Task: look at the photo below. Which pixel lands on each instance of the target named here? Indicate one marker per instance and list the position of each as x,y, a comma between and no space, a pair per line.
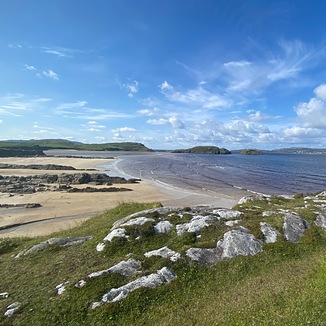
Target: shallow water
268,173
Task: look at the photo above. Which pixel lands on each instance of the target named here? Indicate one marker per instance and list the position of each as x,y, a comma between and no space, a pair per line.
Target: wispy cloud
93,126
195,97
30,67
60,52
125,129
50,74
16,104
132,86
15,46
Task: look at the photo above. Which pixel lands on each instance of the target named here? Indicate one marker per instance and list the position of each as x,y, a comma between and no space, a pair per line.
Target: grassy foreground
283,285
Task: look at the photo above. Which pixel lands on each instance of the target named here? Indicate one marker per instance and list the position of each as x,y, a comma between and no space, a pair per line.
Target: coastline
63,210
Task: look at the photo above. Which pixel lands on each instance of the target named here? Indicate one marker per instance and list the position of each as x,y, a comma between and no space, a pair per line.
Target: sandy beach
63,210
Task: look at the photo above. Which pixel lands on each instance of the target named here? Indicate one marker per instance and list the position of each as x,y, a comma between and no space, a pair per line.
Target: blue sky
169,74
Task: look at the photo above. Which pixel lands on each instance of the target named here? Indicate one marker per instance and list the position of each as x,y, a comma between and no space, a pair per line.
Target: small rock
4,295
164,252
61,287
117,233
163,227
100,246
232,223
270,234
11,309
196,224
227,213
250,198
321,221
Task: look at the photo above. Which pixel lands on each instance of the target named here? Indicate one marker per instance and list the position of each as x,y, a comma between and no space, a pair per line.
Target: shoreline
62,210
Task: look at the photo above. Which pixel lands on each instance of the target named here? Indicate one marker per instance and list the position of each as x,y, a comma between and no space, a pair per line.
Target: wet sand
62,210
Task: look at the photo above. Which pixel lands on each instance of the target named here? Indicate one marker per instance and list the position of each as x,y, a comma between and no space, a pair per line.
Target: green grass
283,285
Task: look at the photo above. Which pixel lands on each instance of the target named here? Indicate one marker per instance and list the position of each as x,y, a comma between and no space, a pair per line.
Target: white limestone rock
61,287
232,223
125,268
321,221
117,233
270,234
138,221
164,252
250,198
100,246
11,309
196,224
4,295
238,242
162,276
294,227
163,227
227,213
61,242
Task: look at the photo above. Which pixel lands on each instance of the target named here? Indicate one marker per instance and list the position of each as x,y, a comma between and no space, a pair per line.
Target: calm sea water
268,173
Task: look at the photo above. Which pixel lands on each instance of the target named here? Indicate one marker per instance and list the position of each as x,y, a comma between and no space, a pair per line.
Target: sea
271,174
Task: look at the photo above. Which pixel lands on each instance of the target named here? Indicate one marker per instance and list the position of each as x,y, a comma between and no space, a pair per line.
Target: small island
203,150
251,152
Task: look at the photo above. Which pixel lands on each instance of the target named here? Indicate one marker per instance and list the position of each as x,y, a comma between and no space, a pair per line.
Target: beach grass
283,285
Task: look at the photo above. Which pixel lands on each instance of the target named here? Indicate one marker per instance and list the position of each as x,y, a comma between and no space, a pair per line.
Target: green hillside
282,285
45,144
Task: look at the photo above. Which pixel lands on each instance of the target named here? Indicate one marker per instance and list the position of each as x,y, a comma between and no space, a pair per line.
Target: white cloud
132,87
195,97
149,112
237,64
176,123
28,67
71,105
60,51
173,121
165,86
313,113
160,121
15,46
258,116
124,129
50,74
320,92
1,121
93,126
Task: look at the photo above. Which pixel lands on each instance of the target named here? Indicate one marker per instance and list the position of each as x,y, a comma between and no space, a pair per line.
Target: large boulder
294,227
238,242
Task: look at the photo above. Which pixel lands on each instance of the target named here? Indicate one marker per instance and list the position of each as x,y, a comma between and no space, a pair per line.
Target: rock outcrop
294,227
60,242
154,280
46,182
